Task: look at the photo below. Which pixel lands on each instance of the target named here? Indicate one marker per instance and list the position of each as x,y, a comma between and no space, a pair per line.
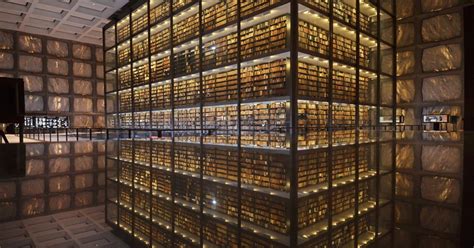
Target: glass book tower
251,123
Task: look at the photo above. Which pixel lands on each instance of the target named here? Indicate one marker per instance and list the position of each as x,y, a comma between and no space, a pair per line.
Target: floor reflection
58,177
166,193
428,189
385,193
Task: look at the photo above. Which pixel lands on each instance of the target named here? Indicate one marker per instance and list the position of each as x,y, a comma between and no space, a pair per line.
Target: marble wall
430,55
430,69
62,78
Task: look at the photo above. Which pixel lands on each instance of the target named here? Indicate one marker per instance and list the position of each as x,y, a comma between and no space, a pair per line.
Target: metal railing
81,134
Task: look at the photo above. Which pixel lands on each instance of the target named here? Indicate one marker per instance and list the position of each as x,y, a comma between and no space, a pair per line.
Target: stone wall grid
430,79
56,73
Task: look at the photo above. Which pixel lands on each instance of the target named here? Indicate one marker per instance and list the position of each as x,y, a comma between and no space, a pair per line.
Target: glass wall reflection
171,193
429,188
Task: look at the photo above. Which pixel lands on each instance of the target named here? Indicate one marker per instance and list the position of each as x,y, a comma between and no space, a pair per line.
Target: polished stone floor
77,228
59,201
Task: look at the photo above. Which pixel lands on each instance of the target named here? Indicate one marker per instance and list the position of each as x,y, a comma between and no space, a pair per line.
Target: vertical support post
150,196
171,41
22,126
394,115
357,126
293,203
330,118
201,132
239,126
378,124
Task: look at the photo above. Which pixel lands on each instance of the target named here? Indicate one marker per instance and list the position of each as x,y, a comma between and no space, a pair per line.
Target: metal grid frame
293,127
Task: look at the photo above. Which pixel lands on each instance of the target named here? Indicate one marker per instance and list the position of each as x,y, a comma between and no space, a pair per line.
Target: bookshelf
251,122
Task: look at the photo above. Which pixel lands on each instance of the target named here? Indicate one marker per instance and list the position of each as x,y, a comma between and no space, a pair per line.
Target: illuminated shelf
207,90
338,219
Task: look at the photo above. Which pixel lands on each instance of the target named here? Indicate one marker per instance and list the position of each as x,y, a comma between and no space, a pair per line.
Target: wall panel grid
62,78
259,120
430,80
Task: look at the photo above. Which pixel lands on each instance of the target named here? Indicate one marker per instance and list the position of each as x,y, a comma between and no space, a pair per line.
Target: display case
252,123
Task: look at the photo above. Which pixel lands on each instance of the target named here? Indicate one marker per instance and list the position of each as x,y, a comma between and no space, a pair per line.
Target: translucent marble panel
83,163
100,105
100,146
58,104
59,148
7,190
80,51
442,58
442,88
449,110
410,118
32,187
57,48
34,167
405,62
32,206
59,202
83,104
82,87
434,5
34,150
100,71
34,103
30,63
6,40
84,181
405,34
33,83
440,158
58,85
405,8
6,61
30,44
99,54
8,210
405,91
404,185
59,165
83,199
441,27
57,66
100,88
82,121
83,147
440,189
99,122
59,184
82,69
439,219
405,157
